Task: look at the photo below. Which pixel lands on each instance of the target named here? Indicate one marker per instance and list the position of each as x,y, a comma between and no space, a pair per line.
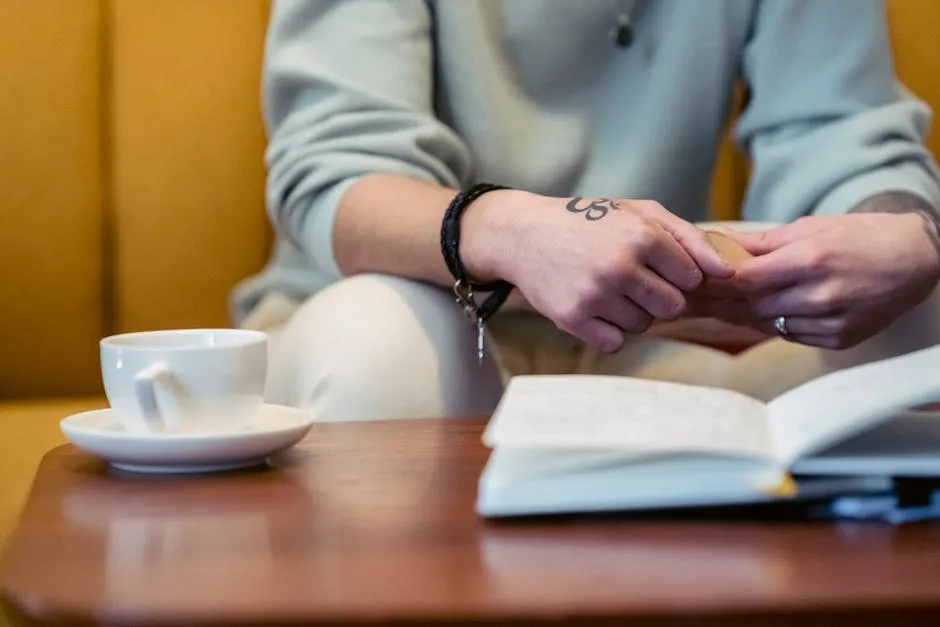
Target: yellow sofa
130,133
130,130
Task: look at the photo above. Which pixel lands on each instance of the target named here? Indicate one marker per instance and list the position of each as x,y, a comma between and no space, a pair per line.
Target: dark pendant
624,35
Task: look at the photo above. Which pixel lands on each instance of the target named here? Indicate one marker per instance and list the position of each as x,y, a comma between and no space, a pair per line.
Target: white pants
374,346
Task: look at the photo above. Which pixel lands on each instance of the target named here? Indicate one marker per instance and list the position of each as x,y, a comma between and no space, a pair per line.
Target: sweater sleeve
348,91
828,124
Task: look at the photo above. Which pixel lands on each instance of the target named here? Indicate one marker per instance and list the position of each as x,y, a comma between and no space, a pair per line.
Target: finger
595,332
654,295
781,268
625,315
672,262
767,240
811,326
695,241
831,332
812,300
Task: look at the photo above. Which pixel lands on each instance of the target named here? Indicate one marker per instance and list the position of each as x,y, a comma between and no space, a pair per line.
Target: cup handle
145,383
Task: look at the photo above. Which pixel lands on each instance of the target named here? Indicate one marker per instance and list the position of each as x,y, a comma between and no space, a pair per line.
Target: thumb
695,242
765,241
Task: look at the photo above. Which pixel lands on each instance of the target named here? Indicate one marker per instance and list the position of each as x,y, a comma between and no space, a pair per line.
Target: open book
579,443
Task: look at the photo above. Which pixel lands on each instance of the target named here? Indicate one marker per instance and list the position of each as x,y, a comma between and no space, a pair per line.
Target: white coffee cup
185,381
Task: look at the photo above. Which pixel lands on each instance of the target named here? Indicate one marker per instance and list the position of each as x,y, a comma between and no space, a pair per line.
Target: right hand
599,269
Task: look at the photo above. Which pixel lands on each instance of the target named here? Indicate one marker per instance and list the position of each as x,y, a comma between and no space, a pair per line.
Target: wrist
488,234
907,206
902,204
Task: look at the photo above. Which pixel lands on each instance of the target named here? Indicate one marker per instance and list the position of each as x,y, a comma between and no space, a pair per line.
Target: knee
372,347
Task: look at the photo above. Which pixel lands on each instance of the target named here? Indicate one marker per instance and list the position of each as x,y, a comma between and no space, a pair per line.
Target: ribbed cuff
910,178
317,235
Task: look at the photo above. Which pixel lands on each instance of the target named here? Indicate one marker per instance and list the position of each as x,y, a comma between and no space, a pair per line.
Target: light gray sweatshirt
535,95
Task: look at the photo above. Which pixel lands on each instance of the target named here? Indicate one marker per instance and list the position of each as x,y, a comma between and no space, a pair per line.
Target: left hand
838,280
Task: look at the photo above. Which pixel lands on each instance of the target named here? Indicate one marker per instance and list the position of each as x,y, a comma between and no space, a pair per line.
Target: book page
820,413
620,413
907,444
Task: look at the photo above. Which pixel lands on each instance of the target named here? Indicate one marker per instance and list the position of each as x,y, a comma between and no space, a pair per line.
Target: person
601,120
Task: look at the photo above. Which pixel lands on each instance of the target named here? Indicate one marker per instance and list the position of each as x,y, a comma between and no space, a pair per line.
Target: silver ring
780,323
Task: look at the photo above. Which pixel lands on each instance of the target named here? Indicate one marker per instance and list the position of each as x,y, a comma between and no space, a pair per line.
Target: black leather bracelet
464,287
450,248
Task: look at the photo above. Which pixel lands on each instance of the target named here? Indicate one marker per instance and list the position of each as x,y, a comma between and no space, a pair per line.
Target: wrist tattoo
593,209
901,203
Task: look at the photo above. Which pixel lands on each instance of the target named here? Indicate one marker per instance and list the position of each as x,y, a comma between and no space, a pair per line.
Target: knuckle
644,291
650,206
817,256
641,323
591,288
764,239
743,281
824,300
846,333
838,326
592,291
611,343
693,280
569,316
667,306
696,236
675,306
614,269
642,238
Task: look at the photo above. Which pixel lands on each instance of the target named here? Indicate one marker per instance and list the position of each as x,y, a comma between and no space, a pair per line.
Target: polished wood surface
373,522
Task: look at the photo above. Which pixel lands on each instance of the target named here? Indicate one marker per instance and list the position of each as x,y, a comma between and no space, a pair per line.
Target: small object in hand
731,252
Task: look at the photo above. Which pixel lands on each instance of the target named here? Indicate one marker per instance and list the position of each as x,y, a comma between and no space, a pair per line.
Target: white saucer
101,434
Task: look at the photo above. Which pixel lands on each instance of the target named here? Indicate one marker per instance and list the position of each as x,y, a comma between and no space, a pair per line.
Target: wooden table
370,523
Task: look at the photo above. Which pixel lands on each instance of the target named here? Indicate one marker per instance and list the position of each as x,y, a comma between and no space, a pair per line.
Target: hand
720,301
839,280
598,268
